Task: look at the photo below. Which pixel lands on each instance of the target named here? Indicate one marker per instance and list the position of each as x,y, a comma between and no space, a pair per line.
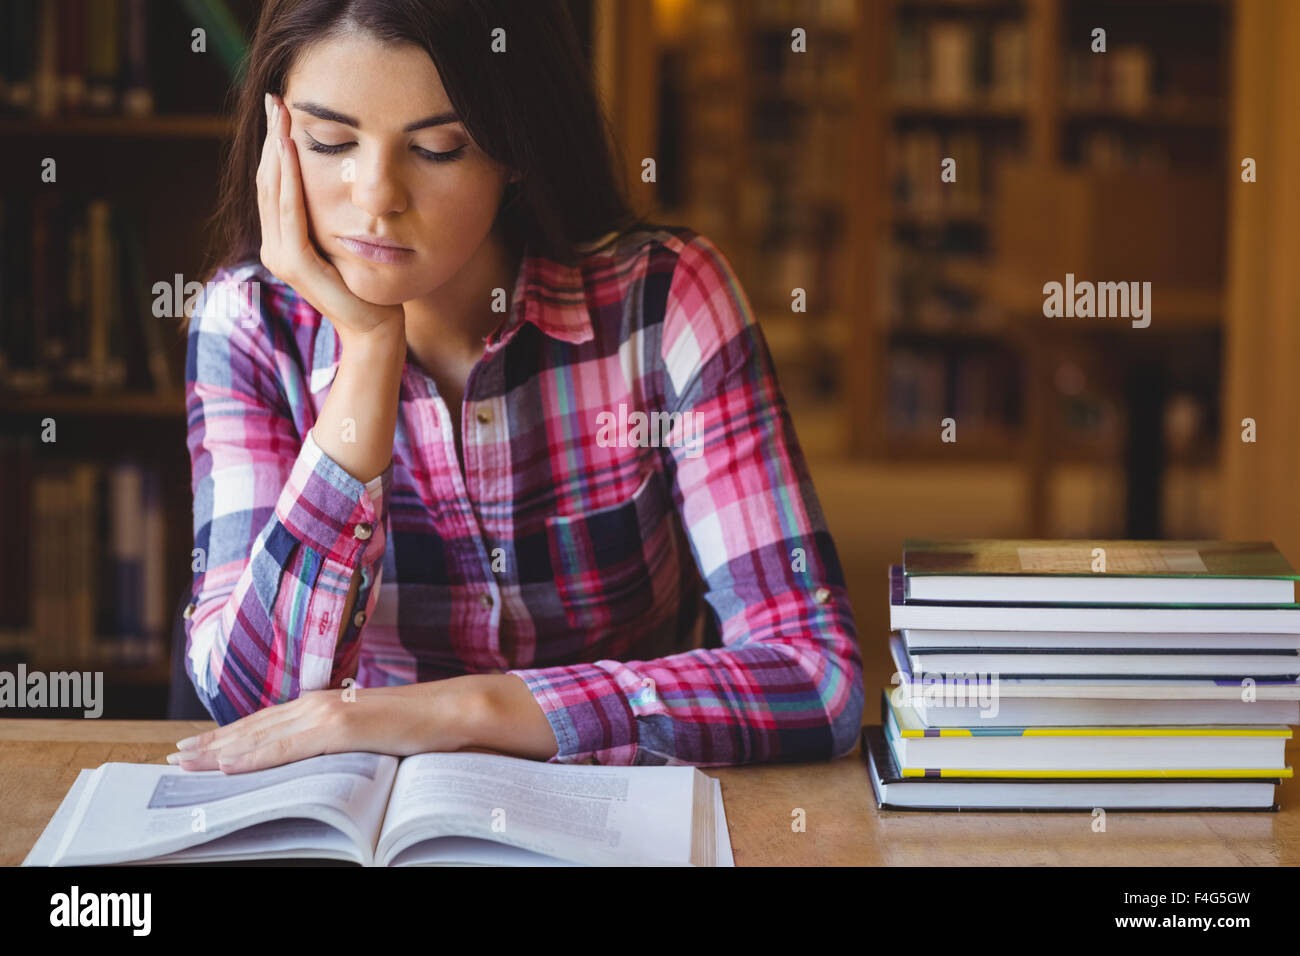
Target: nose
377,188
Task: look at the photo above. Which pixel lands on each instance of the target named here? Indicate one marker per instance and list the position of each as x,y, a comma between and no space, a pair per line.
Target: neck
457,317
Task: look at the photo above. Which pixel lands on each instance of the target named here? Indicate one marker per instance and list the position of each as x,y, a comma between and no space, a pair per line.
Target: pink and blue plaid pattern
667,597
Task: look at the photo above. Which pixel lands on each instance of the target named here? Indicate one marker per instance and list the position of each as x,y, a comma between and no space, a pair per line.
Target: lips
376,249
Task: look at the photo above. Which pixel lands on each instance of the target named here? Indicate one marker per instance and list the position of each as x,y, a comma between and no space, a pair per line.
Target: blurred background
813,169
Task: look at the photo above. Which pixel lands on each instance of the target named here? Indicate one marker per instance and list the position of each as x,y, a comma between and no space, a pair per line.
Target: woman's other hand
433,717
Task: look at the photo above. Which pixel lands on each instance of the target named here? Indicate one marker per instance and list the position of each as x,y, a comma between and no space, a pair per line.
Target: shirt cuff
331,512
591,716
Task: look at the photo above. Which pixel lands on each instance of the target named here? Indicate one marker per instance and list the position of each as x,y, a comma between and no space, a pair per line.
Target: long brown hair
533,108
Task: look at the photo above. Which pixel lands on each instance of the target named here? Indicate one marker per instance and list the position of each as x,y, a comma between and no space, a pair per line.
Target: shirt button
822,595
485,599
359,618
484,415
362,531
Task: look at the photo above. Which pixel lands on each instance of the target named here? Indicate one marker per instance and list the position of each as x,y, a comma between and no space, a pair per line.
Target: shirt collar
553,297
547,293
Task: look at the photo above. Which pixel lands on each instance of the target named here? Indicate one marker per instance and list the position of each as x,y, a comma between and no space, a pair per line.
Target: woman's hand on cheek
287,249
416,718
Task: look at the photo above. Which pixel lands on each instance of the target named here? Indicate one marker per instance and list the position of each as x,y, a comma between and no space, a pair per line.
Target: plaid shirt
667,589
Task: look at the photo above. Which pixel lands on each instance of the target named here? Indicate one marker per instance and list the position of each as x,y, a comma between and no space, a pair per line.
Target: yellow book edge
1236,773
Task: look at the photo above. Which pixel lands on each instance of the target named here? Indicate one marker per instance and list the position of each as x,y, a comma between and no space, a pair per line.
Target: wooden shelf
1209,114
955,335
985,7
904,216
113,404
973,109
138,127
986,444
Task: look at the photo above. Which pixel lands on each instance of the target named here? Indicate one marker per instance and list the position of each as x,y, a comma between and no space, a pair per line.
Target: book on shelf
96,590
978,389
16,457
73,56
1120,80
918,190
104,57
75,309
376,810
955,62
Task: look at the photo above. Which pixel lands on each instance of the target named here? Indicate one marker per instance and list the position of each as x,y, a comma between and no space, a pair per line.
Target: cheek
461,205
322,190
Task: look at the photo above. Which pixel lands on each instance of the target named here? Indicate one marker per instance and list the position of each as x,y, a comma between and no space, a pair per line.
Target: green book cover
1066,557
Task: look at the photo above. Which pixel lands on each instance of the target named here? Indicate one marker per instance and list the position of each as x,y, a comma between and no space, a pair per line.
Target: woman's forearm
358,420
509,720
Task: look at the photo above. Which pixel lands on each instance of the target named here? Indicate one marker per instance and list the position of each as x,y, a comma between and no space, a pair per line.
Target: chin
374,287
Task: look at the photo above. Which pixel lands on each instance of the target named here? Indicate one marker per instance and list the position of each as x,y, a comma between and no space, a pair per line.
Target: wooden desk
39,760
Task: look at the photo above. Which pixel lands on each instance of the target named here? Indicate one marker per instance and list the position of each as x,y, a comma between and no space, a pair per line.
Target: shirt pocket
615,565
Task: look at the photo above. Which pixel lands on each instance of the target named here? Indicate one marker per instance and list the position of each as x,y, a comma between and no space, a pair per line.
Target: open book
376,810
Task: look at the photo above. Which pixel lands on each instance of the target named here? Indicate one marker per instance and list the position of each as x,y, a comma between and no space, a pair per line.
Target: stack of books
1071,675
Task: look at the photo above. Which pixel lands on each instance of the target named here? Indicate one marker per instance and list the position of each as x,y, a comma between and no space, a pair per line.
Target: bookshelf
143,139
132,118
924,308
948,268
763,172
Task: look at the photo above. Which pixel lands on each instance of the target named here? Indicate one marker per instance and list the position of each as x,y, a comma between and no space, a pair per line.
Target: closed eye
446,157
318,147
331,149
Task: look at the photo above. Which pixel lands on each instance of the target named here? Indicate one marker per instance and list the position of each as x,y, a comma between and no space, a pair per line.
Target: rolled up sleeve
279,526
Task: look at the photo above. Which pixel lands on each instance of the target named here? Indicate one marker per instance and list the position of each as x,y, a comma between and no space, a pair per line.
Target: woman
484,459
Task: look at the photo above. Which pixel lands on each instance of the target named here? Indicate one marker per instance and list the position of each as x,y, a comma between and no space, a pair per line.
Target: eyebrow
333,116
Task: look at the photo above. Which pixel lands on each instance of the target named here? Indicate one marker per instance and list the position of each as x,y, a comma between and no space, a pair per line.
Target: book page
581,814
286,838
467,851
722,835
139,811
42,851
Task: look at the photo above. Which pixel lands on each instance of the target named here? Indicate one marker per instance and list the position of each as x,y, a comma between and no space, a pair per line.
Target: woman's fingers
318,280
283,742
200,752
293,217
268,186
229,749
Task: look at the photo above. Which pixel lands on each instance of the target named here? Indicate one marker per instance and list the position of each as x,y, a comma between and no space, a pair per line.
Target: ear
515,176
